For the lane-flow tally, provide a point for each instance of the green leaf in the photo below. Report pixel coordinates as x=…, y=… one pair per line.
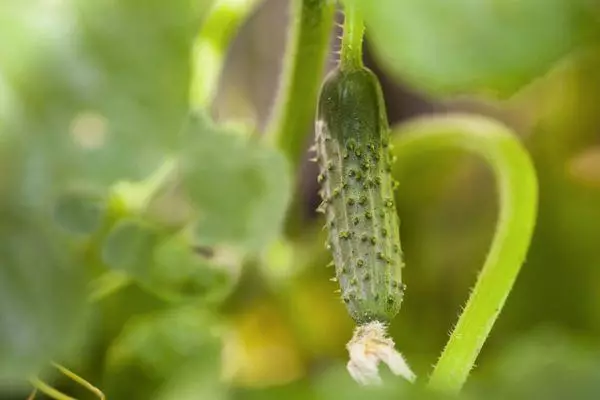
x=80, y=212
x=545, y=363
x=192, y=383
x=471, y=45
x=115, y=114
x=137, y=86
x=129, y=247
x=166, y=266
x=179, y=273
x=42, y=282
x=240, y=187
x=41, y=296
x=155, y=350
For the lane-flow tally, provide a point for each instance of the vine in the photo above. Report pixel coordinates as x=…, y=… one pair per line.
x=517, y=187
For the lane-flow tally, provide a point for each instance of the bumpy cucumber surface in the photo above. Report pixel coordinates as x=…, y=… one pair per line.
x=352, y=142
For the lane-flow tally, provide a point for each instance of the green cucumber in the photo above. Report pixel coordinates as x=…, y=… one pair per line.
x=357, y=189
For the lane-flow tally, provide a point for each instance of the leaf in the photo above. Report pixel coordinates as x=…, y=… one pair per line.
x=42, y=282
x=157, y=349
x=166, y=266
x=179, y=273
x=129, y=247
x=192, y=383
x=336, y=382
x=544, y=363
x=115, y=114
x=136, y=95
x=240, y=187
x=80, y=212
x=446, y=47
x=41, y=295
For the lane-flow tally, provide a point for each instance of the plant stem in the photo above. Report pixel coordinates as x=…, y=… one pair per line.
x=352, y=39
x=135, y=196
x=210, y=47
x=80, y=381
x=307, y=49
x=106, y=284
x=49, y=390
x=518, y=190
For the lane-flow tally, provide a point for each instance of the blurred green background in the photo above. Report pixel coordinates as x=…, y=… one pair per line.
x=93, y=93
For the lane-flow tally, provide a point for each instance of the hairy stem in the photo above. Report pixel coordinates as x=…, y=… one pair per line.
x=211, y=45
x=518, y=190
x=307, y=49
x=352, y=39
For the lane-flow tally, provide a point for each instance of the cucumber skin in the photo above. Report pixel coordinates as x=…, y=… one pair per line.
x=352, y=142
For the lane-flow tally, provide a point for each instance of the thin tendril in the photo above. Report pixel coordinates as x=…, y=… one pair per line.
x=32, y=395
x=49, y=390
x=80, y=381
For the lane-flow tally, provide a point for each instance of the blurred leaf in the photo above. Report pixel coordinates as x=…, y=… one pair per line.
x=41, y=296
x=545, y=364
x=179, y=272
x=12, y=159
x=296, y=390
x=166, y=266
x=40, y=49
x=153, y=350
x=138, y=92
x=41, y=281
x=240, y=187
x=98, y=88
x=80, y=212
x=28, y=178
x=193, y=383
x=129, y=247
x=465, y=45
x=336, y=382
x=248, y=356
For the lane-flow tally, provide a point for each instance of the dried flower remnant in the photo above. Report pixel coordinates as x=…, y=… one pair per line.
x=370, y=346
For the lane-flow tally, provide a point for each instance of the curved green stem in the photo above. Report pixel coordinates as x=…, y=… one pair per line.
x=518, y=191
x=211, y=45
x=307, y=49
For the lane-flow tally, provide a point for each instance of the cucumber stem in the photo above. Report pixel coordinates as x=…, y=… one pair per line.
x=518, y=190
x=352, y=39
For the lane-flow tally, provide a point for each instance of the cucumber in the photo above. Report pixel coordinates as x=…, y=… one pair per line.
x=357, y=189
